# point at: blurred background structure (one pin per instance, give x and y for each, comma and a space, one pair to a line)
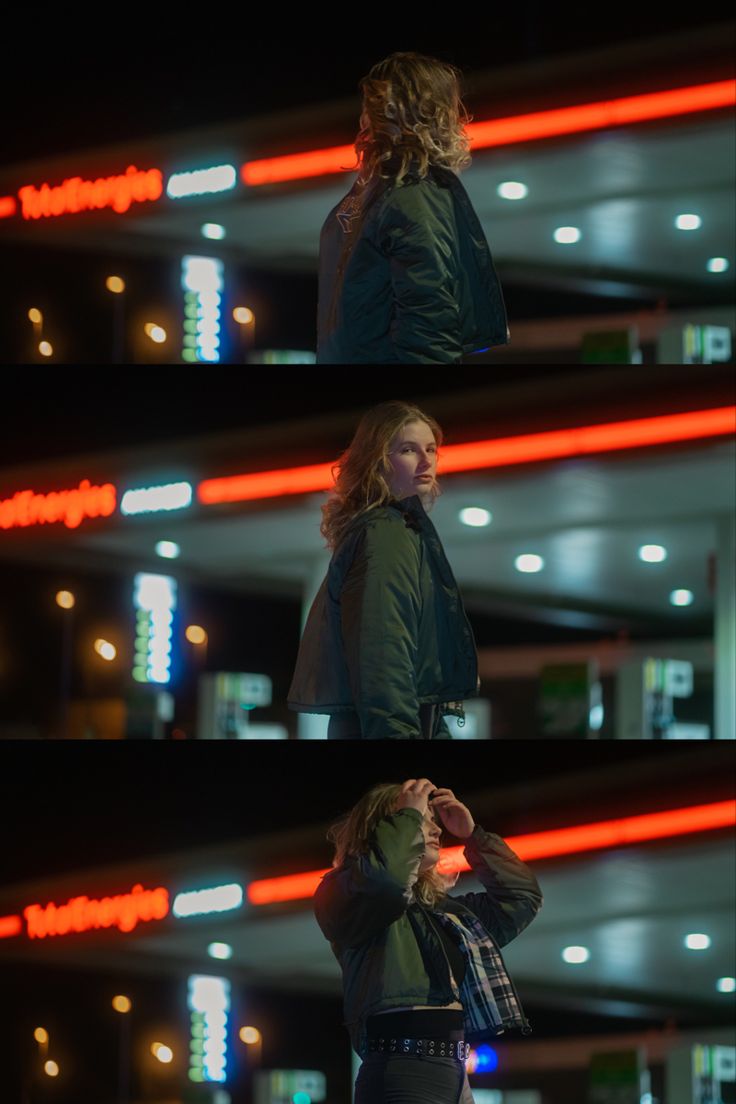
166, 208
160, 547
157, 941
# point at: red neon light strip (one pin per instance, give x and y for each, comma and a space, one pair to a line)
516, 128
539, 845
8, 206
9, 925
475, 455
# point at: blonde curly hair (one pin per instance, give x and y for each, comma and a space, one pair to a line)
352, 835
360, 482
412, 108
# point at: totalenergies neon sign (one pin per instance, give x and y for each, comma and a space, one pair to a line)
80, 914
72, 507
74, 194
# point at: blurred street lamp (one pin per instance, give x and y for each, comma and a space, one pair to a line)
46, 349
246, 319
36, 318
162, 1053
66, 601
156, 333
116, 286
123, 1005
250, 1035
41, 1035
106, 650
197, 636
51, 1069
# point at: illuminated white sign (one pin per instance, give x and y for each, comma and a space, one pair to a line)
209, 1004
219, 178
201, 901
155, 601
149, 500
202, 282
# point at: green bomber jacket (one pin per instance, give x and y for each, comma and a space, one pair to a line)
406, 274
385, 942
387, 632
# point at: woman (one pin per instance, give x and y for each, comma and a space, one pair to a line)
387, 649
405, 272
422, 971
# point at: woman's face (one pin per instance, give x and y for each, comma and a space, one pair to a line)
432, 832
413, 462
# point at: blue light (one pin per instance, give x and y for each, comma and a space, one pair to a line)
202, 281
487, 1059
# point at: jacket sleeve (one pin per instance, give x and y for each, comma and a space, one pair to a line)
512, 896
356, 902
380, 603
418, 235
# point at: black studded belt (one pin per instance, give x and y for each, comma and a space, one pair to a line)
434, 1048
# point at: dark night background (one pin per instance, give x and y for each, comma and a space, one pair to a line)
76, 806
135, 78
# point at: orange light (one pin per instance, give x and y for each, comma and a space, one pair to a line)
124, 911
46, 349
298, 166
8, 206
41, 1035
35, 316
503, 451
244, 316
240, 488
75, 194
115, 284
602, 114
195, 634
250, 1035
72, 507
289, 887
582, 440
122, 1004
51, 1069
9, 926
538, 845
65, 599
516, 128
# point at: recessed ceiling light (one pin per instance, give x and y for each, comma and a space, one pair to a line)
652, 553
718, 264
168, 550
475, 516
576, 955
681, 597
220, 950
567, 235
697, 942
688, 222
726, 985
512, 189
213, 230
529, 563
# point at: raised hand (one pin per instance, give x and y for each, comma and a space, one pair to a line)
455, 816
415, 794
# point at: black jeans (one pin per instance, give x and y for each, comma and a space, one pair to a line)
411, 1079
